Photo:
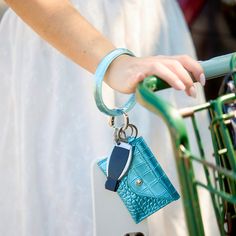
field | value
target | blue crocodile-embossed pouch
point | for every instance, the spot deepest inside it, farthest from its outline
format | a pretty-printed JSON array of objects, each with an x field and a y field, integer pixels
[{"x": 145, "y": 188}]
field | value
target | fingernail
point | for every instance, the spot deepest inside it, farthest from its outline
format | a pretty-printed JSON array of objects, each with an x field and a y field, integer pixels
[
  {"x": 202, "y": 79},
  {"x": 192, "y": 92},
  {"x": 180, "y": 85}
]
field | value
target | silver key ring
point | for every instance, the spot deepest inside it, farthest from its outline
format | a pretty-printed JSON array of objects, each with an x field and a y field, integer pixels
[
  {"x": 122, "y": 136},
  {"x": 125, "y": 124}
]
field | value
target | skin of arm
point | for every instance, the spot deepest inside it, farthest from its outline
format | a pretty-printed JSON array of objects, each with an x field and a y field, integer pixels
[{"x": 60, "y": 24}]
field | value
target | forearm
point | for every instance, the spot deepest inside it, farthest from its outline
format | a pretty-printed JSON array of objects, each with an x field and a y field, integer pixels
[{"x": 59, "y": 23}]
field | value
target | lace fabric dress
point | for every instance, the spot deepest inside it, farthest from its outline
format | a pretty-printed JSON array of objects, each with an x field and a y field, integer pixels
[{"x": 51, "y": 130}]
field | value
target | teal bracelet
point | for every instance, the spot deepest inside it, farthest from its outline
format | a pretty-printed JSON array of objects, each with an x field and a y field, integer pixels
[{"x": 99, "y": 76}]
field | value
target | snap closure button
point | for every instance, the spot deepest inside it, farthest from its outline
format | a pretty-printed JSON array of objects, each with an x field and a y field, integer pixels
[{"x": 138, "y": 182}]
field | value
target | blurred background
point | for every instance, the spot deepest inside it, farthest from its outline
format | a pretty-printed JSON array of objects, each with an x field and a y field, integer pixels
[
  {"x": 212, "y": 25},
  {"x": 2, "y": 7}
]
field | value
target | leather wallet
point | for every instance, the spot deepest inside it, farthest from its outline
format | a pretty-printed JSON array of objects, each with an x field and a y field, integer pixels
[{"x": 145, "y": 188}]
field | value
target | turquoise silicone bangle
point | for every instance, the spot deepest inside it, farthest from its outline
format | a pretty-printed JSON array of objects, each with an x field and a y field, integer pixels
[{"x": 99, "y": 76}]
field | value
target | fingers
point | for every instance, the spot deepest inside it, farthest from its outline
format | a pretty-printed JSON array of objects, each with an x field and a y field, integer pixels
[
  {"x": 172, "y": 71},
  {"x": 162, "y": 71},
  {"x": 193, "y": 67},
  {"x": 182, "y": 74},
  {"x": 189, "y": 65}
]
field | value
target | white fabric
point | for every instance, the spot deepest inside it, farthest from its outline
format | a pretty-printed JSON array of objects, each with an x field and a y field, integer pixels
[{"x": 51, "y": 129}]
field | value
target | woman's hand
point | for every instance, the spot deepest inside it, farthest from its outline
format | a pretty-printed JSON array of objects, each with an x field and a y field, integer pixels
[{"x": 126, "y": 72}]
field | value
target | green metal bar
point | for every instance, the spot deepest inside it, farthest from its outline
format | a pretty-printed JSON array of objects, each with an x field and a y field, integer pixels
[
  {"x": 216, "y": 194},
  {"x": 223, "y": 118},
  {"x": 218, "y": 108},
  {"x": 218, "y": 180},
  {"x": 209, "y": 185},
  {"x": 226, "y": 196},
  {"x": 198, "y": 139},
  {"x": 204, "y": 164},
  {"x": 177, "y": 128},
  {"x": 222, "y": 136},
  {"x": 227, "y": 173}
]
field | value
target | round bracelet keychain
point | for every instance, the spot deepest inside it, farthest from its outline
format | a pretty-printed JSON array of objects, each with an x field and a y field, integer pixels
[{"x": 99, "y": 76}]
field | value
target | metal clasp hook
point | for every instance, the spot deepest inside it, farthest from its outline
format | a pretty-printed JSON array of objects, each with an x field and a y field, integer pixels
[{"x": 120, "y": 133}]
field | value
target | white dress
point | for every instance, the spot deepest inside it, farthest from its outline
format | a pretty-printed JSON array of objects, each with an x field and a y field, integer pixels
[{"x": 51, "y": 129}]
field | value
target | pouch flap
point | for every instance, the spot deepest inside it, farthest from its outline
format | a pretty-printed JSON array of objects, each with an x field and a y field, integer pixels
[{"x": 146, "y": 176}]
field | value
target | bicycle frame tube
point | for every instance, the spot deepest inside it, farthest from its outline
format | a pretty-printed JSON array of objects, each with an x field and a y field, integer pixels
[{"x": 179, "y": 137}]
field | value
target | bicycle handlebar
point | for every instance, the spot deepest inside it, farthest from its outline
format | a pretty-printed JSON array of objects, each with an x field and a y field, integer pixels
[{"x": 213, "y": 68}]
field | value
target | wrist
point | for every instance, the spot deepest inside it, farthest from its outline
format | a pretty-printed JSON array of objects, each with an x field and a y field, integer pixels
[
  {"x": 113, "y": 67},
  {"x": 99, "y": 76}
]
